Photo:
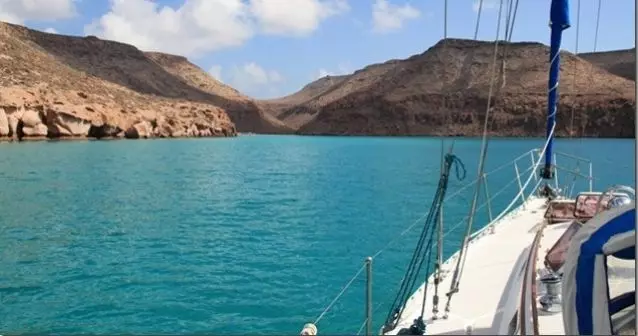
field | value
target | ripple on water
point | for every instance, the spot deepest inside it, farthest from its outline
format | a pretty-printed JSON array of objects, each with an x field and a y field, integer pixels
[{"x": 247, "y": 235}]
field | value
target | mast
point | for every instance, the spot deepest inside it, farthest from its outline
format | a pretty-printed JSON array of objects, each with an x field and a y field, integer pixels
[{"x": 559, "y": 21}]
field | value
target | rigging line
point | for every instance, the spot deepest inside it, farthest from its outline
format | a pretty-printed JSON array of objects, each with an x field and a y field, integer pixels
[
  {"x": 508, "y": 37},
  {"x": 444, "y": 44},
  {"x": 538, "y": 162},
  {"x": 482, "y": 206},
  {"x": 406, "y": 278},
  {"x": 478, "y": 19},
  {"x": 439, "y": 231},
  {"x": 507, "y": 209},
  {"x": 395, "y": 311},
  {"x": 595, "y": 49},
  {"x": 577, "y": 170},
  {"x": 500, "y": 216},
  {"x": 453, "y": 287},
  {"x": 513, "y": 20},
  {"x": 445, "y": 20},
  {"x": 436, "y": 214},
  {"x": 597, "y": 25},
  {"x": 400, "y": 235},
  {"x": 340, "y": 294},
  {"x": 420, "y": 219},
  {"x": 500, "y": 191},
  {"x": 439, "y": 250},
  {"x": 508, "y": 9},
  {"x": 443, "y": 49},
  {"x": 583, "y": 124},
  {"x": 454, "y": 227},
  {"x": 435, "y": 298},
  {"x": 511, "y": 17},
  {"x": 447, "y": 198},
  {"x": 422, "y": 251},
  {"x": 425, "y": 287},
  {"x": 574, "y": 91},
  {"x": 459, "y": 176},
  {"x": 407, "y": 281},
  {"x": 427, "y": 251},
  {"x": 495, "y": 170},
  {"x": 409, "y": 278},
  {"x": 366, "y": 319}
]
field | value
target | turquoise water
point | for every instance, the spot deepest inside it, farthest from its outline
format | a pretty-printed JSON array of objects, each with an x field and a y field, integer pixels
[{"x": 246, "y": 235}]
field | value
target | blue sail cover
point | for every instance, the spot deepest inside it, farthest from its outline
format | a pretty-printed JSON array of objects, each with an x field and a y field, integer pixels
[
  {"x": 587, "y": 307},
  {"x": 559, "y": 16}
]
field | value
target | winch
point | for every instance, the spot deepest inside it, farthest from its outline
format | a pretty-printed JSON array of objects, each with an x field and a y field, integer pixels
[{"x": 551, "y": 301}]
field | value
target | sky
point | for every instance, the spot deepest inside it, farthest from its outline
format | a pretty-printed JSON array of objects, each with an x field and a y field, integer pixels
[{"x": 271, "y": 48}]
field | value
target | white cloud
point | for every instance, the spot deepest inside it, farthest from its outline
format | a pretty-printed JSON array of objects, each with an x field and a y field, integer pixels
[
  {"x": 19, "y": 11},
  {"x": 216, "y": 72},
  {"x": 51, "y": 30},
  {"x": 298, "y": 17},
  {"x": 323, "y": 73},
  {"x": 201, "y": 26},
  {"x": 342, "y": 69},
  {"x": 196, "y": 27},
  {"x": 250, "y": 77},
  {"x": 387, "y": 17},
  {"x": 487, "y": 4}
]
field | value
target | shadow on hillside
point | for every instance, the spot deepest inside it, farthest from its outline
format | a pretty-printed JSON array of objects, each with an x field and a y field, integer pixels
[
  {"x": 625, "y": 70},
  {"x": 127, "y": 66}
]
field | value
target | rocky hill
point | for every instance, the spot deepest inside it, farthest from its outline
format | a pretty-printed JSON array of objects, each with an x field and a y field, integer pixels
[
  {"x": 282, "y": 108},
  {"x": 444, "y": 91},
  {"x": 64, "y": 86},
  {"x": 245, "y": 113},
  {"x": 619, "y": 62}
]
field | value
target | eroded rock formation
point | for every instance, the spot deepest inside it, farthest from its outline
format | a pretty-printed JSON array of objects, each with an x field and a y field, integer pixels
[{"x": 72, "y": 87}]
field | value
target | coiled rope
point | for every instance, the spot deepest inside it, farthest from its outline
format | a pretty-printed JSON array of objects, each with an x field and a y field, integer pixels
[{"x": 423, "y": 250}]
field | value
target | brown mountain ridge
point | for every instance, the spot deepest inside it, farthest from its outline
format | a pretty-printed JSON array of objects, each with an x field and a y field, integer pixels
[
  {"x": 66, "y": 86},
  {"x": 282, "y": 107},
  {"x": 444, "y": 90}
]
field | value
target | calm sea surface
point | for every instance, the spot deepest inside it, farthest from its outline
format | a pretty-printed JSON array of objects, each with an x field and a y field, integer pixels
[{"x": 255, "y": 234}]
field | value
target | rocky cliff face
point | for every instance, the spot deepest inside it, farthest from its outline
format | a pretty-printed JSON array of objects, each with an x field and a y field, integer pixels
[
  {"x": 619, "y": 62},
  {"x": 247, "y": 115},
  {"x": 62, "y": 86},
  {"x": 444, "y": 91},
  {"x": 284, "y": 108}
]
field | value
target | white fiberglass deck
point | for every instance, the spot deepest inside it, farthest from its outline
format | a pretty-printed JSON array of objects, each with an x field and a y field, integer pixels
[{"x": 484, "y": 287}]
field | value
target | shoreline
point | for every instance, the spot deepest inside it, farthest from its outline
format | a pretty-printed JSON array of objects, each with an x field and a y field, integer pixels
[
  {"x": 455, "y": 136},
  {"x": 86, "y": 138},
  {"x": 495, "y": 137}
]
